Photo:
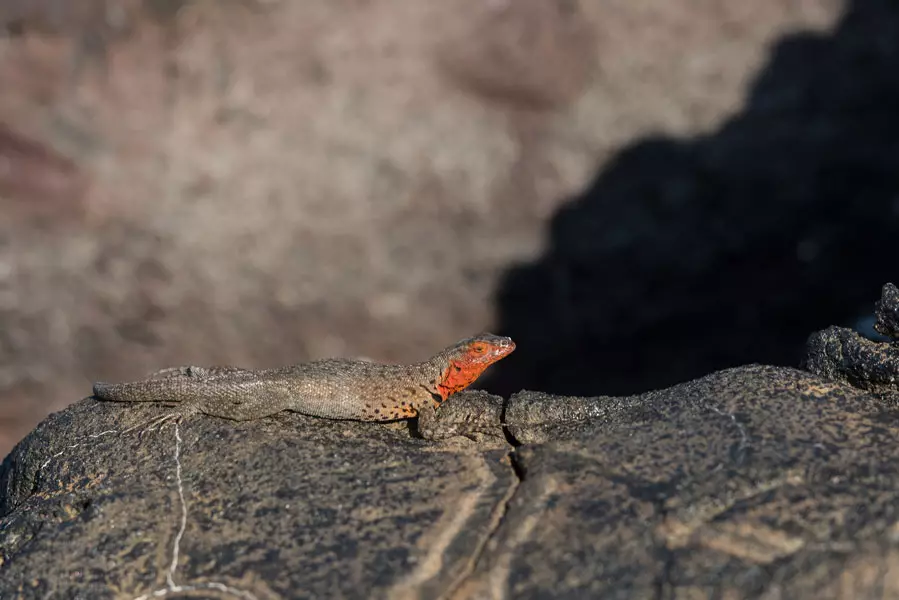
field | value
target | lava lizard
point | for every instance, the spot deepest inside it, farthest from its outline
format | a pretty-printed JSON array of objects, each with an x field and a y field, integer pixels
[{"x": 330, "y": 388}]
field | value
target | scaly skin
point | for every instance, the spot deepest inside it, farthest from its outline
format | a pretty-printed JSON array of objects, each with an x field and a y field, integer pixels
[{"x": 330, "y": 388}]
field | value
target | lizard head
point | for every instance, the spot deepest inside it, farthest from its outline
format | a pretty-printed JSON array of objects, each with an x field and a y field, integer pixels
[{"x": 464, "y": 361}]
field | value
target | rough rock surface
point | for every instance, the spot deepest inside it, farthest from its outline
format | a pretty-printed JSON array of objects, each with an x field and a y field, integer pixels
[
  {"x": 285, "y": 507},
  {"x": 753, "y": 482},
  {"x": 840, "y": 353}
]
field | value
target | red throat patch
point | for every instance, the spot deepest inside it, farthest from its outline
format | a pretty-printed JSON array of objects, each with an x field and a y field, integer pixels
[
  {"x": 457, "y": 377},
  {"x": 468, "y": 359}
]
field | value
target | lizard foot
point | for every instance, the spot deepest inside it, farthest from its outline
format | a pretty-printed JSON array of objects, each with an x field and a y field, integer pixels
[
  {"x": 156, "y": 423},
  {"x": 472, "y": 414}
]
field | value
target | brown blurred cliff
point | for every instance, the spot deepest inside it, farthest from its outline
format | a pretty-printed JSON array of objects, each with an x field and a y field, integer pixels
[{"x": 259, "y": 183}]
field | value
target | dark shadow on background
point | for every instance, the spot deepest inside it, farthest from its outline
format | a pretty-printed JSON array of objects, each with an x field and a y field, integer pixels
[{"x": 687, "y": 256}]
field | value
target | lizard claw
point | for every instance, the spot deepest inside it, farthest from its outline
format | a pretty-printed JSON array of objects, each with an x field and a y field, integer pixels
[{"x": 156, "y": 423}]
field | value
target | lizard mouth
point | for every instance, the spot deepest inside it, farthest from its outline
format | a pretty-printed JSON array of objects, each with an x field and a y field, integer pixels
[
  {"x": 501, "y": 352},
  {"x": 498, "y": 351}
]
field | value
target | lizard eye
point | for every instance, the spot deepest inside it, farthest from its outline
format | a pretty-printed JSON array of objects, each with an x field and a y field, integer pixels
[{"x": 479, "y": 348}]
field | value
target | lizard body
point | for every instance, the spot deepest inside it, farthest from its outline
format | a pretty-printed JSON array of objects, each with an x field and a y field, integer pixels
[{"x": 329, "y": 388}]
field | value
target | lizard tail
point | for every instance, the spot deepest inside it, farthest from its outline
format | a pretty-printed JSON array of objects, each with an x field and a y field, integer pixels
[
  {"x": 104, "y": 391},
  {"x": 114, "y": 392},
  {"x": 149, "y": 391}
]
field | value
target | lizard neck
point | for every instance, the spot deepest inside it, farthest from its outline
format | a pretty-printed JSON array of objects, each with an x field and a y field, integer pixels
[
  {"x": 428, "y": 374},
  {"x": 458, "y": 366},
  {"x": 450, "y": 376}
]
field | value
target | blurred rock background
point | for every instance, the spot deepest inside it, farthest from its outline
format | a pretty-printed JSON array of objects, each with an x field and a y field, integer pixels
[{"x": 638, "y": 193}]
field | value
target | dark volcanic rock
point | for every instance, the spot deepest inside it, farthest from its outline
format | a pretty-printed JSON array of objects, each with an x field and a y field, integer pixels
[
  {"x": 887, "y": 312},
  {"x": 751, "y": 482},
  {"x": 754, "y": 482},
  {"x": 535, "y": 417},
  {"x": 840, "y": 353},
  {"x": 284, "y": 507}
]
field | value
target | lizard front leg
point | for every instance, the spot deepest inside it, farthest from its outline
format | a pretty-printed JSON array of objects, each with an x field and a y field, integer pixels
[
  {"x": 472, "y": 414},
  {"x": 429, "y": 427}
]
